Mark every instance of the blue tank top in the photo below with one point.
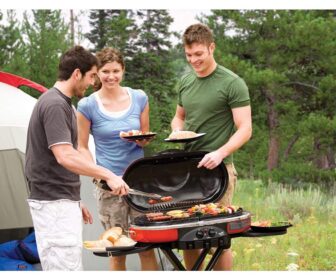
(111, 151)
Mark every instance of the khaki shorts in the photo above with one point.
(227, 198)
(113, 211)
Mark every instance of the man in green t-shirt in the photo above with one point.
(214, 100)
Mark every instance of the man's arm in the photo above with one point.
(243, 122)
(77, 163)
(178, 120)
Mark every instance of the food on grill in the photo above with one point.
(112, 234)
(153, 201)
(182, 134)
(264, 223)
(162, 199)
(212, 209)
(152, 215)
(157, 216)
(166, 198)
(174, 212)
(124, 241)
(178, 214)
(98, 243)
(160, 218)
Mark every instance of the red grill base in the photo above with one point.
(153, 236)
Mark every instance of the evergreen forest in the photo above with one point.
(286, 57)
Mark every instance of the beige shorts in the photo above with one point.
(113, 211)
(227, 198)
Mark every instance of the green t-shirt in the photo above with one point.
(207, 102)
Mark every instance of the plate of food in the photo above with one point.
(136, 135)
(183, 136)
(97, 246)
(111, 239)
(268, 226)
(123, 243)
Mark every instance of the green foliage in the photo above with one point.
(291, 79)
(47, 38)
(308, 244)
(11, 44)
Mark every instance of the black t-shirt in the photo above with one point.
(53, 121)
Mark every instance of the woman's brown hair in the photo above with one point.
(107, 55)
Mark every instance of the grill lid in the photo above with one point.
(175, 173)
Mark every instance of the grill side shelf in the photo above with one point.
(252, 233)
(139, 247)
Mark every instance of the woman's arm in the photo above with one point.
(83, 125)
(144, 126)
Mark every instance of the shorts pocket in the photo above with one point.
(61, 253)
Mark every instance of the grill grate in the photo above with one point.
(143, 220)
(174, 205)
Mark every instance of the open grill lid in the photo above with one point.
(174, 173)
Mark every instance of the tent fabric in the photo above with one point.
(17, 81)
(15, 110)
(14, 191)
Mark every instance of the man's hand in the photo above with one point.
(117, 185)
(211, 160)
(87, 217)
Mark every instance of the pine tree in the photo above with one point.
(11, 44)
(151, 68)
(113, 28)
(291, 76)
(47, 38)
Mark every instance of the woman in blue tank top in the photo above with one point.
(104, 114)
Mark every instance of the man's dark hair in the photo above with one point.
(197, 33)
(76, 57)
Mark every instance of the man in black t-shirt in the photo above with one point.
(53, 165)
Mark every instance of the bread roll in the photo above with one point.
(124, 241)
(98, 244)
(112, 234)
(182, 134)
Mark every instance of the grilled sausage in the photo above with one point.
(160, 218)
(156, 214)
(152, 201)
(166, 198)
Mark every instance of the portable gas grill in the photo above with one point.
(175, 173)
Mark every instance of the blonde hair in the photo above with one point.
(197, 33)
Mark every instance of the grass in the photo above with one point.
(309, 245)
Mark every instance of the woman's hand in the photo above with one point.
(144, 142)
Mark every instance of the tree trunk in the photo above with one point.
(72, 28)
(320, 160)
(291, 145)
(273, 122)
(331, 158)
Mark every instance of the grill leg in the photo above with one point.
(200, 259)
(214, 258)
(172, 258)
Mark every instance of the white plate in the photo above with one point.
(96, 249)
(185, 140)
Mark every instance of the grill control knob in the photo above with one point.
(199, 234)
(212, 232)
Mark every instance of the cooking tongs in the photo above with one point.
(103, 185)
(150, 195)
